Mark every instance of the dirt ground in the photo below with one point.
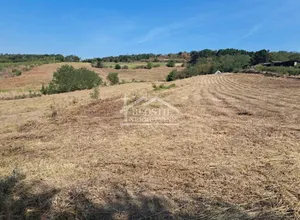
(234, 152)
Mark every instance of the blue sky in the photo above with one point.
(104, 28)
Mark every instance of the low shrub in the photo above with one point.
(125, 67)
(94, 94)
(156, 65)
(172, 75)
(113, 78)
(117, 66)
(98, 64)
(171, 63)
(17, 72)
(162, 86)
(68, 79)
(149, 65)
(140, 67)
(199, 69)
(34, 94)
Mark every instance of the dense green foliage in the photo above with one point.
(209, 65)
(149, 65)
(72, 58)
(67, 79)
(46, 58)
(17, 58)
(171, 63)
(142, 57)
(262, 56)
(98, 64)
(280, 69)
(113, 78)
(118, 66)
(232, 60)
(196, 55)
(284, 56)
(172, 75)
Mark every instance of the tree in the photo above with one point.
(113, 78)
(72, 58)
(59, 58)
(261, 56)
(67, 79)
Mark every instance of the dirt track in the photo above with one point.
(236, 147)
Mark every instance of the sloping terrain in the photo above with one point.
(33, 79)
(234, 153)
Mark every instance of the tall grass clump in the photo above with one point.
(113, 78)
(95, 93)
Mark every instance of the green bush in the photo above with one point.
(280, 69)
(67, 79)
(156, 65)
(199, 69)
(113, 78)
(162, 86)
(98, 64)
(17, 72)
(125, 67)
(171, 76)
(149, 65)
(171, 63)
(117, 67)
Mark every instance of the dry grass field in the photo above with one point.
(235, 153)
(33, 79)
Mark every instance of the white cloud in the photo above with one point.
(160, 31)
(252, 31)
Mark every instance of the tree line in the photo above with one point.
(18, 58)
(233, 60)
(193, 57)
(235, 57)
